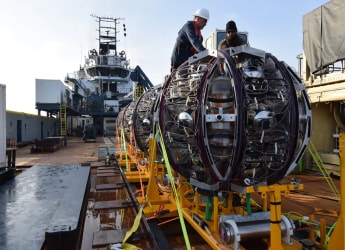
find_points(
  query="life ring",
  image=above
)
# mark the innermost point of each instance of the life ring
(122, 53)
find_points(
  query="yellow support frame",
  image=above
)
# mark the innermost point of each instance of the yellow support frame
(132, 160)
(274, 193)
(337, 240)
(193, 206)
(154, 199)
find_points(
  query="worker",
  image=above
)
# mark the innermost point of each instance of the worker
(189, 39)
(232, 39)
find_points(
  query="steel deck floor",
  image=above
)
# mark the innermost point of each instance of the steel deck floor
(316, 197)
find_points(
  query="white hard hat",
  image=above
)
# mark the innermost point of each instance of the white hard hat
(202, 13)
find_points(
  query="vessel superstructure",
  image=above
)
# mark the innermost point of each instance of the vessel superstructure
(103, 85)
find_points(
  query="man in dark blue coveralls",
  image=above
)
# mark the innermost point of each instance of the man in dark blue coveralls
(189, 39)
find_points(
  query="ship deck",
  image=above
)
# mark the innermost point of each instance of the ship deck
(109, 213)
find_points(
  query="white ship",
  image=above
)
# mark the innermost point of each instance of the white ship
(100, 87)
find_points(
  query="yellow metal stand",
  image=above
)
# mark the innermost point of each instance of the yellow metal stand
(274, 192)
(132, 160)
(157, 201)
(202, 212)
(337, 240)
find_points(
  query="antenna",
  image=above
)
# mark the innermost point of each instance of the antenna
(107, 34)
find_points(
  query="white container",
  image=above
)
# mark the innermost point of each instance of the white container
(2, 125)
(50, 91)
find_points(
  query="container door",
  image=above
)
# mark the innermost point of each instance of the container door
(42, 131)
(19, 131)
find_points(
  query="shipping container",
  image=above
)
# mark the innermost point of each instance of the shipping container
(25, 127)
(2, 125)
(51, 91)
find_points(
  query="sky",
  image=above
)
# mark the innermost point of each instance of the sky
(46, 39)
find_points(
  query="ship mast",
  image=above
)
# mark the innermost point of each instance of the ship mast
(107, 34)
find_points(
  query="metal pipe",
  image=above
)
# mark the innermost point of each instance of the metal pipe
(231, 230)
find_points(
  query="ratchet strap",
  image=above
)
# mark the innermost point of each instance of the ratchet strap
(172, 181)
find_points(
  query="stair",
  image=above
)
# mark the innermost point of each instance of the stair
(63, 119)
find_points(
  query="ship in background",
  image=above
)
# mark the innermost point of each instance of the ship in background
(96, 92)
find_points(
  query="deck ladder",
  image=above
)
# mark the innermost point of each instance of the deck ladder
(63, 119)
(139, 90)
(318, 161)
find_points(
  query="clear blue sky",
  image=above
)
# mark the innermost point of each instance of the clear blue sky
(46, 39)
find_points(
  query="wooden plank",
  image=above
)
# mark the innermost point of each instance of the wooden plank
(106, 168)
(97, 164)
(101, 171)
(112, 204)
(107, 175)
(102, 238)
(107, 172)
(110, 186)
